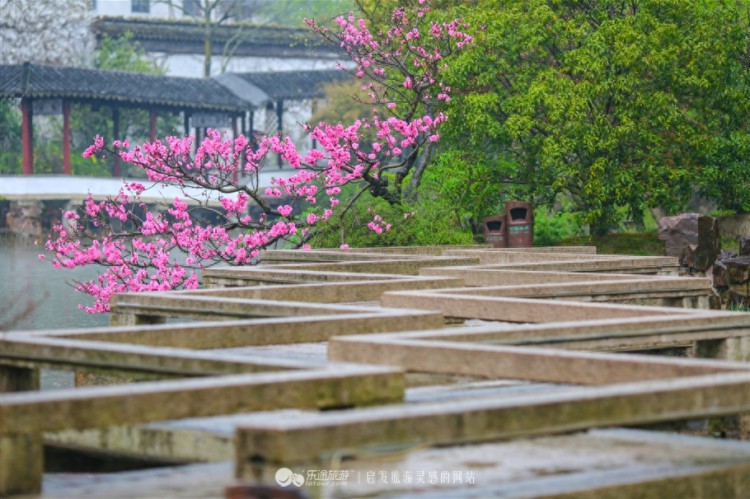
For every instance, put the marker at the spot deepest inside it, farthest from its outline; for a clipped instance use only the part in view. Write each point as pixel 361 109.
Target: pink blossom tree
pixel 147 248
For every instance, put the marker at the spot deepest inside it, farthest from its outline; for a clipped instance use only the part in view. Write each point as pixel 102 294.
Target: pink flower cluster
pixel 223 215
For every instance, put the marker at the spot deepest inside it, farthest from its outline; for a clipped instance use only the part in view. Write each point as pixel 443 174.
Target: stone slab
pixel 315 437
pixel 250 332
pixel 485 276
pixel 516 362
pixel 93 407
pixel 131 308
pixel 597 462
pixel 328 292
pixel 613 463
pixel 212 438
pixel 508 309
pixel 637 333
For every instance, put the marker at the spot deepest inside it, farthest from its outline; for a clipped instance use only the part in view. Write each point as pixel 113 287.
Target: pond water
pixel 34 296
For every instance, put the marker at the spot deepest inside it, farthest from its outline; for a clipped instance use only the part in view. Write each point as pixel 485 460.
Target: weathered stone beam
pixel 287 256
pixel 245 276
pixel 720 335
pixel 510 256
pixel 127 308
pixel 516 309
pixel 61 352
pixel 256 332
pixel 674 286
pixel 328 292
pixel 24 416
pixel 431 250
pixel 647 265
pixel 513 362
pixel 486 276
pixel 387 266
pixel 94 407
pixel 318 436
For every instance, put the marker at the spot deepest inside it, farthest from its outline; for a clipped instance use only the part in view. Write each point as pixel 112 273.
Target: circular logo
pixel 298 480
pixel 284 477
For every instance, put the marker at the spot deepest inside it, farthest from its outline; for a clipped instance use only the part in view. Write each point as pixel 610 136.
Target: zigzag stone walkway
pixel 446 371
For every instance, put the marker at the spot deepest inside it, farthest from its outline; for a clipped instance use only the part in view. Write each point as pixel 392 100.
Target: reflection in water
pixel 34 296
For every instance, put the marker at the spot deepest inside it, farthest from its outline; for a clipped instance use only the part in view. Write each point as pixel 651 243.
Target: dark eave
pixel 137 89
pixel 179 37
pixel 295 85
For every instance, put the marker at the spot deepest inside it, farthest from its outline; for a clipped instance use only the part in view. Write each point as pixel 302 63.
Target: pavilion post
pixel 251 129
pixel 152 123
pixel 235 175
pixel 115 135
pixel 314 109
pixel 280 119
pixel 66 137
pixel 27 136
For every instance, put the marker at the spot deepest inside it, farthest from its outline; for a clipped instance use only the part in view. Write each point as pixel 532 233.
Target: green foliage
pixel 551 228
pixel 612 104
pixel 293 12
pixel 124 54
pixel 426 222
pixel 117 54
pixel 640 244
pixel 10 137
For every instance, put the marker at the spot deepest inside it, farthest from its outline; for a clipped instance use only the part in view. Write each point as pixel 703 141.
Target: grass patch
pixel 638 244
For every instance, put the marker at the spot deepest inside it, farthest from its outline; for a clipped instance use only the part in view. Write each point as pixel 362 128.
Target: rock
pixel 735 226
pixel 693 238
pixel 720 277
pixel 738 270
pixel 744 246
pixel 24 218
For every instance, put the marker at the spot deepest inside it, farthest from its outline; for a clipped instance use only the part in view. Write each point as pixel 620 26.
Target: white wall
pixel 122 8
pixel 191 65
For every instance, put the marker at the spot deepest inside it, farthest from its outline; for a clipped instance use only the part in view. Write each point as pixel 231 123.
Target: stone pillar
pixel 736 349
pixel 21 463
pixel 21 455
pixel 693 238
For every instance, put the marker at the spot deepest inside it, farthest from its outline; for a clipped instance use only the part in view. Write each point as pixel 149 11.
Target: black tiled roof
pixel 294 85
pixel 37 81
pixel 147 90
pixel 185 36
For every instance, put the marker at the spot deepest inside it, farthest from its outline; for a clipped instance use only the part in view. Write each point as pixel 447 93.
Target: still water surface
pixel 34 295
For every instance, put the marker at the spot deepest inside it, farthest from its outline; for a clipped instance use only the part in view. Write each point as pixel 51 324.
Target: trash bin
pixel 494 231
pixel 519 225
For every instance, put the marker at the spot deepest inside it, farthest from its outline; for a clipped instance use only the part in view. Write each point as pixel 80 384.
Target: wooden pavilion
pixel 228 99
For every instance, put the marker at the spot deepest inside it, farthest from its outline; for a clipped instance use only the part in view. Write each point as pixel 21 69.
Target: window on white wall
pixel 140 6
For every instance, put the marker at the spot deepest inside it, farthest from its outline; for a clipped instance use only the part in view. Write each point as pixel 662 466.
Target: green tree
pixel 10 137
pixel 114 54
pixel 293 12
pixel 611 104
